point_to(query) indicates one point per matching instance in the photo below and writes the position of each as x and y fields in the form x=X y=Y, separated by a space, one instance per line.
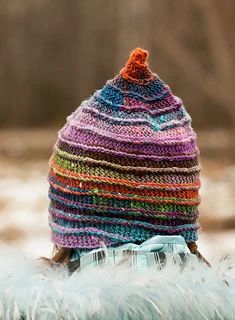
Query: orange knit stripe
x=81 y=176
x=135 y=198
x=188 y=194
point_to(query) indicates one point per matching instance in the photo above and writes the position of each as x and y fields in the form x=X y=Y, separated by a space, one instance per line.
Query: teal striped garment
x=150 y=253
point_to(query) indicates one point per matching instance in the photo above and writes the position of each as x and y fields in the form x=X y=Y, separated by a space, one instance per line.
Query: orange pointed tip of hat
x=136 y=69
x=139 y=56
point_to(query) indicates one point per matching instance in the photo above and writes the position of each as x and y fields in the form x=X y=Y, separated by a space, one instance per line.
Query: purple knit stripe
x=126 y=153
x=133 y=126
x=140 y=138
x=82 y=242
x=71 y=134
x=90 y=137
x=80 y=133
x=177 y=135
x=166 y=105
x=185 y=133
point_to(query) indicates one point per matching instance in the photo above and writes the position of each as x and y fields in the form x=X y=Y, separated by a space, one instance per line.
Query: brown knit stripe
x=126 y=161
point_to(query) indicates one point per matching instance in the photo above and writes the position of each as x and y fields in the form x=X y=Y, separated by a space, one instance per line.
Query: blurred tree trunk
x=134 y=27
x=221 y=55
x=97 y=44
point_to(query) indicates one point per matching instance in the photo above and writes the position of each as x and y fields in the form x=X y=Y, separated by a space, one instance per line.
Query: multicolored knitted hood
x=125 y=165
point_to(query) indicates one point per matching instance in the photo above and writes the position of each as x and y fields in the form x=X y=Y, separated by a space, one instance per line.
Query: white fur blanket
x=30 y=290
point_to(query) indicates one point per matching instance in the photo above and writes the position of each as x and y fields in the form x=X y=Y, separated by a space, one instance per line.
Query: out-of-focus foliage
x=54 y=53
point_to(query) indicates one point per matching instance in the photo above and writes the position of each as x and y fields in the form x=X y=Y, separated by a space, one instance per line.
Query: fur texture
x=31 y=290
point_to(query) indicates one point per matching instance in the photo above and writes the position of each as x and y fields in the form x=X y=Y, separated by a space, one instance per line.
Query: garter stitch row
x=125 y=165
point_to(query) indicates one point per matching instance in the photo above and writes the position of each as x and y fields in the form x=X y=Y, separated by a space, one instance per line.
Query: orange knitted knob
x=136 y=69
x=138 y=56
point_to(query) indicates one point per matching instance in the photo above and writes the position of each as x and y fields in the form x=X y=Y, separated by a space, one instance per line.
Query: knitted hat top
x=125 y=165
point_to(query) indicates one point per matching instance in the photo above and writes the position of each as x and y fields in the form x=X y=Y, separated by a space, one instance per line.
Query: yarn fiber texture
x=125 y=166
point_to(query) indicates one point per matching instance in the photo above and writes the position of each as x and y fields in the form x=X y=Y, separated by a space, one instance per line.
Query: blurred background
x=55 y=53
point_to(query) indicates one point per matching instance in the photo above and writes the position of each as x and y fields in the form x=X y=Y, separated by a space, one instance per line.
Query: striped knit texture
x=125 y=166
